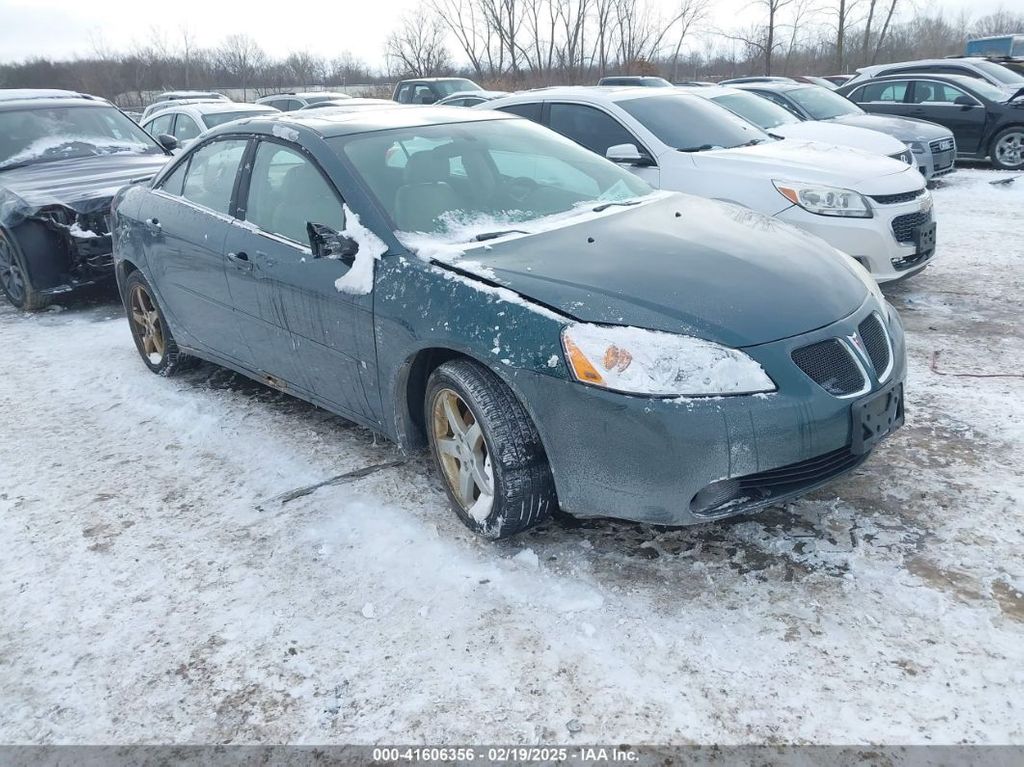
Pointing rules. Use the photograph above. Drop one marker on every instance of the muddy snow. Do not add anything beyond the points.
(154, 587)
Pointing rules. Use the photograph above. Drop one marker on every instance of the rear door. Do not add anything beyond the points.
(300, 328)
(187, 218)
(952, 107)
(889, 98)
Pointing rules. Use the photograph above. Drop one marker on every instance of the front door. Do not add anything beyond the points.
(300, 328)
(952, 107)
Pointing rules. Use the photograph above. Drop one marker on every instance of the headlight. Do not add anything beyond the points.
(825, 200)
(637, 361)
(916, 147)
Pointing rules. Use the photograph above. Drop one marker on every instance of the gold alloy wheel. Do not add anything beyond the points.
(462, 454)
(146, 320)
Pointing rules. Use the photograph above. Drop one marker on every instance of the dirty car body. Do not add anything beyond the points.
(606, 310)
(56, 185)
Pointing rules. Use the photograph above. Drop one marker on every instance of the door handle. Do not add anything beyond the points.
(241, 260)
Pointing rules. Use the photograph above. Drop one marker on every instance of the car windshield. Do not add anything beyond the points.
(762, 112)
(448, 87)
(988, 90)
(45, 134)
(692, 124)
(477, 179)
(219, 118)
(1001, 73)
(823, 104)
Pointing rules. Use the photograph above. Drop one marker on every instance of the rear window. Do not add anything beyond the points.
(823, 104)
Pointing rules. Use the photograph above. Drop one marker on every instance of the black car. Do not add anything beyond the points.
(987, 121)
(63, 156)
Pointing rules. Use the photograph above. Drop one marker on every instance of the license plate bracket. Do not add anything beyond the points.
(925, 237)
(876, 417)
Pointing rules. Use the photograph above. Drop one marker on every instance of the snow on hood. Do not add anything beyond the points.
(796, 160)
(47, 146)
(676, 263)
(870, 141)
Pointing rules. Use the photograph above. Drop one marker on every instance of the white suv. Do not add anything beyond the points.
(874, 208)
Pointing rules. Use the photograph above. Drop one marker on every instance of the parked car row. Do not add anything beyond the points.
(654, 303)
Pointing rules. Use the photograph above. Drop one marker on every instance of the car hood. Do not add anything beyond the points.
(904, 128)
(680, 264)
(80, 184)
(810, 161)
(842, 135)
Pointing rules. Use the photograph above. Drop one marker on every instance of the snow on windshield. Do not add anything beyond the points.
(59, 147)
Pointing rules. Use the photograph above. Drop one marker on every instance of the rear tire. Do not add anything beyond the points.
(150, 332)
(488, 451)
(1008, 148)
(14, 280)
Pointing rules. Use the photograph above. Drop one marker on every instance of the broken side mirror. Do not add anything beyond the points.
(627, 154)
(167, 141)
(327, 243)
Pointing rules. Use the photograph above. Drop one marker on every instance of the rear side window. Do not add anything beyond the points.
(931, 92)
(287, 191)
(891, 92)
(529, 111)
(589, 127)
(210, 178)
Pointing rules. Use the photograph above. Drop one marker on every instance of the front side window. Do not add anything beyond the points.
(488, 174)
(210, 178)
(185, 128)
(692, 124)
(590, 127)
(286, 191)
(45, 134)
(931, 92)
(884, 92)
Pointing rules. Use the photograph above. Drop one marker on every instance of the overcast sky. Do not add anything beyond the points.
(64, 28)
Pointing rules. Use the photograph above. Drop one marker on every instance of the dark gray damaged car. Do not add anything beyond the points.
(554, 330)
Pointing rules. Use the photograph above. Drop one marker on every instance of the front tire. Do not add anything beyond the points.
(149, 329)
(1008, 148)
(487, 450)
(14, 279)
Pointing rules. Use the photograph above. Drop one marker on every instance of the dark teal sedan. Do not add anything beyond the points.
(556, 332)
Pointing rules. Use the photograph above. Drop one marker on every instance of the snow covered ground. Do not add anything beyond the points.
(151, 591)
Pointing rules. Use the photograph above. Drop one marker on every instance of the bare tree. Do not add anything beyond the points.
(242, 58)
(762, 39)
(885, 30)
(417, 48)
(464, 20)
(689, 14)
(999, 23)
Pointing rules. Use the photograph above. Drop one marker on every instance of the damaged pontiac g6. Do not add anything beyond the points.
(557, 333)
(63, 155)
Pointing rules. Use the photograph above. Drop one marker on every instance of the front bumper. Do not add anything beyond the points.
(873, 241)
(646, 459)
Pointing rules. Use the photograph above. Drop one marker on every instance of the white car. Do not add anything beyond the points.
(782, 123)
(186, 122)
(874, 208)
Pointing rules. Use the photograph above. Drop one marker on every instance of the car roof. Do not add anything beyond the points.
(305, 95)
(964, 80)
(211, 107)
(23, 98)
(432, 79)
(329, 123)
(775, 87)
(709, 91)
(190, 94)
(601, 94)
(921, 63)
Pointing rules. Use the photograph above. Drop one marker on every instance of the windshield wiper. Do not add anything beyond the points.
(495, 235)
(701, 148)
(606, 205)
(754, 142)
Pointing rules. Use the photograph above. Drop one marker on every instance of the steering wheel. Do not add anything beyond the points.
(520, 188)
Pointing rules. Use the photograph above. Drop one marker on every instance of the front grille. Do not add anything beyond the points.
(876, 342)
(830, 365)
(904, 227)
(943, 154)
(896, 199)
(758, 490)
